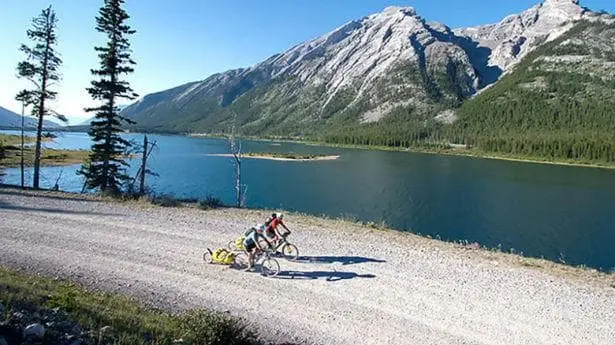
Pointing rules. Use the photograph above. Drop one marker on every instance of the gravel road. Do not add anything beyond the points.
(353, 285)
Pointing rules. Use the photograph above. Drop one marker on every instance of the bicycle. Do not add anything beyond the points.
(289, 250)
(269, 266)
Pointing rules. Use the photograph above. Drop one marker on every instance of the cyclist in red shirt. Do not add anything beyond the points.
(272, 230)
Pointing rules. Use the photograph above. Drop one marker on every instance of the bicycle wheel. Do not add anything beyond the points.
(231, 246)
(270, 267)
(241, 261)
(207, 257)
(290, 251)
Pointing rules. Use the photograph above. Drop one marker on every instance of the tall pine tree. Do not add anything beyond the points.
(106, 167)
(40, 68)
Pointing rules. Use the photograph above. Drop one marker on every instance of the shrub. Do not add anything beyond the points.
(210, 202)
(165, 200)
(202, 327)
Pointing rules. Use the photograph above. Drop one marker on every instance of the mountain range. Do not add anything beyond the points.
(11, 120)
(394, 78)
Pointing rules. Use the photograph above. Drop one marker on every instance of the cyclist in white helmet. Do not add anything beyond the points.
(252, 244)
(272, 231)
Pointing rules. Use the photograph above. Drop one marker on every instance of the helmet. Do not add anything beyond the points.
(279, 215)
(260, 228)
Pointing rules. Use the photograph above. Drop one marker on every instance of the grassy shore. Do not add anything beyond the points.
(104, 318)
(50, 157)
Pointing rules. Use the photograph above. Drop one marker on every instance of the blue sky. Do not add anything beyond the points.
(187, 40)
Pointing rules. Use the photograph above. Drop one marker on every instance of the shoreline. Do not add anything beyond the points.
(460, 152)
(454, 151)
(442, 152)
(514, 259)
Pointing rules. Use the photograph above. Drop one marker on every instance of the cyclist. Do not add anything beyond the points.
(272, 231)
(252, 245)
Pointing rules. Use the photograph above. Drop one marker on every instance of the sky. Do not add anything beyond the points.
(187, 40)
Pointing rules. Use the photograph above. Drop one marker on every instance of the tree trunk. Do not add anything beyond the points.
(22, 144)
(143, 166)
(238, 180)
(39, 138)
(108, 148)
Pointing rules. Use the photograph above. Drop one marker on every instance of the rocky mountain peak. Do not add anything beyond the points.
(516, 35)
(394, 10)
(563, 9)
(560, 2)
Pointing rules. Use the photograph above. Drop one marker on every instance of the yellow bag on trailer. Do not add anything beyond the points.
(239, 243)
(223, 256)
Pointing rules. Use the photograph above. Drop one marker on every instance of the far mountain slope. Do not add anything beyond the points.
(11, 120)
(358, 73)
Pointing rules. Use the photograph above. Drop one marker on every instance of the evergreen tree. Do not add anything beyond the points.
(40, 68)
(106, 167)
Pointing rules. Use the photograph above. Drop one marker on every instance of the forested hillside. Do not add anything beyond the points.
(558, 102)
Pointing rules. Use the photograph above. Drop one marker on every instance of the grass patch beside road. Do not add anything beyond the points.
(103, 318)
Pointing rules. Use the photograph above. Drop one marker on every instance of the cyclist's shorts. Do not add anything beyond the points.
(249, 244)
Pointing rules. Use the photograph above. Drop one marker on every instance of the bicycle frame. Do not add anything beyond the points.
(281, 242)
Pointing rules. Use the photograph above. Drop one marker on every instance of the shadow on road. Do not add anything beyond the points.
(7, 206)
(330, 276)
(7, 190)
(344, 260)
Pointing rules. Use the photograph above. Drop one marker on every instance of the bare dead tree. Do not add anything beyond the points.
(146, 150)
(143, 165)
(237, 155)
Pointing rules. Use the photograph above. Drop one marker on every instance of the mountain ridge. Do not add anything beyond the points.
(391, 78)
(9, 119)
(346, 62)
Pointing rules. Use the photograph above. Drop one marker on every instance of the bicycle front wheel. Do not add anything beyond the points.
(270, 267)
(290, 251)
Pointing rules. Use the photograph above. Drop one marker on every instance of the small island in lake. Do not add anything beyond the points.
(283, 156)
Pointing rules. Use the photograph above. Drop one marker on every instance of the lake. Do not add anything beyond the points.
(556, 212)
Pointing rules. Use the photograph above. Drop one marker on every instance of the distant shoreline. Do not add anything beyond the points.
(454, 151)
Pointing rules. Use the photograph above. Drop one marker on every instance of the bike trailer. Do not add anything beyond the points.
(223, 256)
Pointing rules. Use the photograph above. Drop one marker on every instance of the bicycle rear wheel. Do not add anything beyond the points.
(270, 267)
(290, 251)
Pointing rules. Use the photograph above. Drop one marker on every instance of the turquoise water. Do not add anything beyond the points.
(556, 212)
